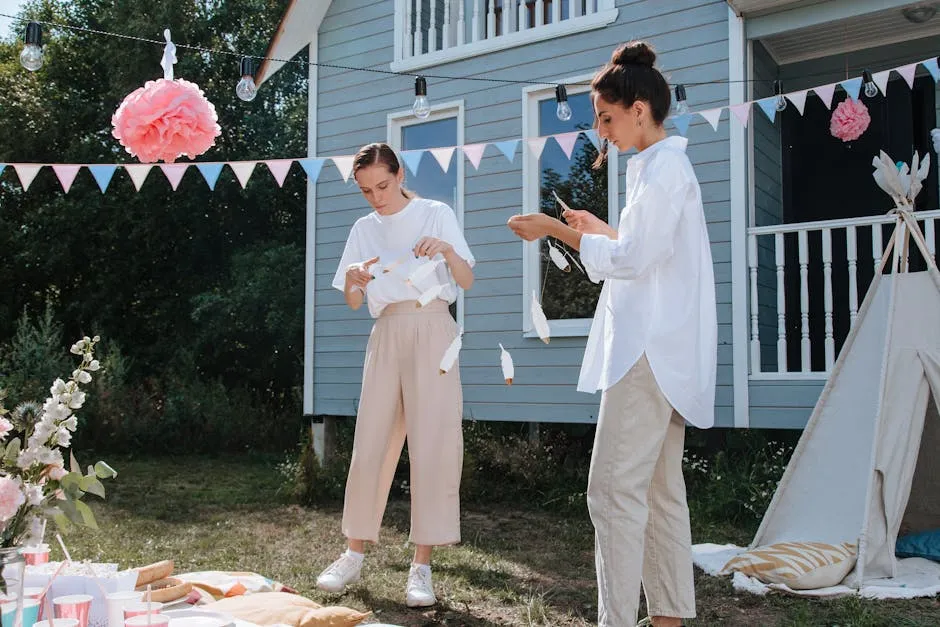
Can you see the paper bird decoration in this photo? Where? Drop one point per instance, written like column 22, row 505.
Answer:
column 901, row 184
column 505, row 360
column 450, row 355
column 423, row 271
column 539, row 320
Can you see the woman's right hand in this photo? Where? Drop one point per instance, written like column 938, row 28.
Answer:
column 586, row 222
column 358, row 275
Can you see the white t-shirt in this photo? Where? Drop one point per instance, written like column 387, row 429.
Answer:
column 392, row 239
column 659, row 286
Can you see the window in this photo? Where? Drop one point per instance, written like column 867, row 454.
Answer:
column 443, row 128
column 568, row 299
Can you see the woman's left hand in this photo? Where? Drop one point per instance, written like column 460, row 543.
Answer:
column 430, row 246
column 531, row 226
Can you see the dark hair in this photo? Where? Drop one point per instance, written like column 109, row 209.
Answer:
column 379, row 153
column 631, row 75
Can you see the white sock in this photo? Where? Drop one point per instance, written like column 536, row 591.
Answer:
column 354, row 555
column 425, row 568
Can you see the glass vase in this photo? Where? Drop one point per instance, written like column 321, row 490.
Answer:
column 12, row 575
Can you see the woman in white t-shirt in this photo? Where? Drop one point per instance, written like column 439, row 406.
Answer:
column 652, row 349
column 404, row 393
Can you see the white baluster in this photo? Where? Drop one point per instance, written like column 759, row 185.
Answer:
column 827, row 295
column 461, row 23
column 409, row 35
column 804, row 301
column 445, row 30
column 556, row 11
column 590, row 7
column 522, row 16
column 507, row 16
column 491, row 20
column 755, row 330
column 781, row 304
column 419, row 32
column 539, row 12
column 571, row 9
column 876, row 250
column 432, row 28
column 852, row 254
column 931, row 240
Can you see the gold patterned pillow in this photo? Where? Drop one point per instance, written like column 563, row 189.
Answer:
column 799, row 565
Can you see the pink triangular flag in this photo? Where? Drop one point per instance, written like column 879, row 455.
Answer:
column 742, row 112
column 26, row 172
column 174, row 173
column 243, row 170
column 881, row 79
column 279, row 168
column 138, row 173
column 66, row 175
column 798, row 98
column 474, row 153
column 344, row 165
column 443, row 156
column 825, row 93
column 712, row 115
column 536, row 145
column 907, row 72
column 567, row 141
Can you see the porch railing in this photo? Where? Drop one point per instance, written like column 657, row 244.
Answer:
column 806, row 281
column 430, row 32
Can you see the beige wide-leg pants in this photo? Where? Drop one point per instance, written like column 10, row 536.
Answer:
column 637, row 501
column 404, row 394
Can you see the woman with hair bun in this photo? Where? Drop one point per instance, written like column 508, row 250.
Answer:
column 652, row 349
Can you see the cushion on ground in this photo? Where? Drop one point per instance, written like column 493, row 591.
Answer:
column 925, row 544
column 269, row 608
column 799, row 565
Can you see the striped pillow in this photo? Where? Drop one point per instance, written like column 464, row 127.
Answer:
column 799, row 565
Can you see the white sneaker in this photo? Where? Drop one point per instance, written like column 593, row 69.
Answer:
column 420, row 591
column 340, row 573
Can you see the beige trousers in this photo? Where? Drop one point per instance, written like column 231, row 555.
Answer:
column 637, row 501
column 404, row 394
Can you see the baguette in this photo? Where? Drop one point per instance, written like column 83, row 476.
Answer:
column 167, row 589
column 154, row 572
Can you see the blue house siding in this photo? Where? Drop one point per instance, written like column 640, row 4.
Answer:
column 691, row 37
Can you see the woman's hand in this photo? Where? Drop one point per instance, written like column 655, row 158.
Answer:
column 358, row 275
column 531, row 226
column 586, row 222
column 430, row 246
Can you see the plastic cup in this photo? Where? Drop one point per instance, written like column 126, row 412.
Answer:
column 143, row 620
column 140, row 608
column 35, row 593
column 30, row 613
column 75, row 606
column 116, row 602
column 38, row 554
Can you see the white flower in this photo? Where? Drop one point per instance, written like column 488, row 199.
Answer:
column 5, row 427
column 77, row 348
column 78, row 399
column 94, row 366
column 54, row 411
column 96, row 339
column 58, row 388
column 33, row 494
column 63, row 437
column 81, row 376
column 56, row 473
column 71, row 423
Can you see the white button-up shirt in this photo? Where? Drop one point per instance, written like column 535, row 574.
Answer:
column 659, row 286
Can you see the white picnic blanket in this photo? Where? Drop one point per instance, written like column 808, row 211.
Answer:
column 917, row 577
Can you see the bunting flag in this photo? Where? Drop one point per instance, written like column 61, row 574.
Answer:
column 279, row 168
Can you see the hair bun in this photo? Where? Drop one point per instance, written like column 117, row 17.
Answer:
column 634, row 53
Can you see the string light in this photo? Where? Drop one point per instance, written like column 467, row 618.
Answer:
column 781, row 100
column 31, row 56
column 563, row 110
column 871, row 90
column 682, row 105
column 421, row 107
column 246, row 88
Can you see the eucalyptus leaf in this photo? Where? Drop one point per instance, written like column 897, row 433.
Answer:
column 87, row 516
column 12, row 452
column 91, row 485
column 73, row 463
column 104, row 471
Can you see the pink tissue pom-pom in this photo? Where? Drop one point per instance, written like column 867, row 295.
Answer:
column 849, row 120
column 166, row 119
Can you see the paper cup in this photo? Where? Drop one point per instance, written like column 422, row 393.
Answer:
column 30, row 613
column 116, row 602
column 35, row 593
column 59, row 622
column 141, row 620
column 139, row 608
column 75, row 606
column 38, row 554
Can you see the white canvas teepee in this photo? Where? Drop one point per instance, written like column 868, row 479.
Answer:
column 868, row 462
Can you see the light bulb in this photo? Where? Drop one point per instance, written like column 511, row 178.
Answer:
column 682, row 104
column 246, row 88
column 421, row 108
column 781, row 103
column 563, row 110
column 31, row 56
column 871, row 90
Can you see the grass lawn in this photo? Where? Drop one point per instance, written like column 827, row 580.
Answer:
column 516, row 565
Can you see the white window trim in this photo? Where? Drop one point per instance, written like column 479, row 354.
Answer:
column 441, row 111
column 606, row 14
column 531, row 96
